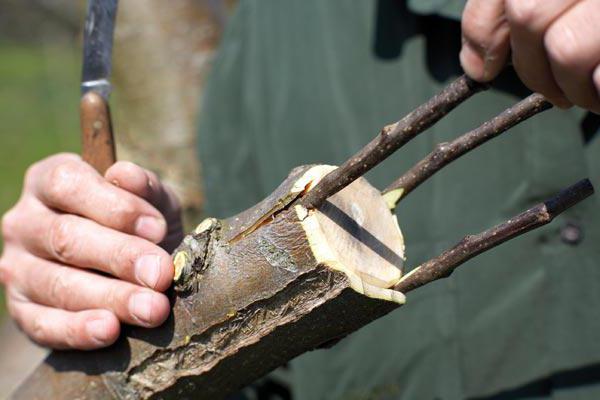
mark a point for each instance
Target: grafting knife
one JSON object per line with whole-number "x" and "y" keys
{"x": 97, "y": 142}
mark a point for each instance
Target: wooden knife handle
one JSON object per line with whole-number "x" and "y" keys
{"x": 97, "y": 142}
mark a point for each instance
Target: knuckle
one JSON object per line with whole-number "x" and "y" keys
{"x": 562, "y": 45}
{"x": 43, "y": 165}
{"x": 60, "y": 288}
{"x": 123, "y": 258}
{"x": 31, "y": 172}
{"x": 14, "y": 299}
{"x": 72, "y": 334}
{"x": 13, "y": 311}
{"x": 10, "y": 223}
{"x": 62, "y": 181}
{"x": 39, "y": 330}
{"x": 63, "y": 241}
{"x": 126, "y": 212}
{"x": 112, "y": 298}
{"x": 6, "y": 275}
{"x": 524, "y": 13}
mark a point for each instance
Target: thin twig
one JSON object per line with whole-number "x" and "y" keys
{"x": 391, "y": 138}
{"x": 443, "y": 265}
{"x": 445, "y": 153}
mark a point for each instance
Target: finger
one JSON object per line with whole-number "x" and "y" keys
{"x": 147, "y": 185}
{"x": 75, "y": 187}
{"x": 486, "y": 42}
{"x": 574, "y": 52}
{"x": 528, "y": 22}
{"x": 597, "y": 79}
{"x": 73, "y": 240}
{"x": 60, "y": 329}
{"x": 51, "y": 284}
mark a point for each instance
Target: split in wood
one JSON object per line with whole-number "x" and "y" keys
{"x": 445, "y": 153}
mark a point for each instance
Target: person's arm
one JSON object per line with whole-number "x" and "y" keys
{"x": 554, "y": 46}
{"x": 72, "y": 223}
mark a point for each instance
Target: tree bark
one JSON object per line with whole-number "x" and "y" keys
{"x": 252, "y": 292}
{"x": 394, "y": 136}
{"x": 445, "y": 153}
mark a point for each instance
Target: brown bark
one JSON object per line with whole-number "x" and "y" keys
{"x": 445, "y": 153}
{"x": 252, "y": 292}
{"x": 470, "y": 246}
{"x": 258, "y": 289}
{"x": 392, "y": 137}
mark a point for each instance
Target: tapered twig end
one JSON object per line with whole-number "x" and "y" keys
{"x": 569, "y": 197}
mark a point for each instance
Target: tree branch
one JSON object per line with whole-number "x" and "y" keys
{"x": 392, "y": 137}
{"x": 470, "y": 246}
{"x": 445, "y": 153}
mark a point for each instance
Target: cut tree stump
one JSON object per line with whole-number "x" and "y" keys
{"x": 251, "y": 293}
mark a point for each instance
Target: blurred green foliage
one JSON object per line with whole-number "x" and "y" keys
{"x": 39, "y": 98}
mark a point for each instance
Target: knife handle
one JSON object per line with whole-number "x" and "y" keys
{"x": 97, "y": 142}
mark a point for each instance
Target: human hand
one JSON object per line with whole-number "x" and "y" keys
{"x": 70, "y": 222}
{"x": 555, "y": 46}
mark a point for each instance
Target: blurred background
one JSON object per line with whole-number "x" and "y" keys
{"x": 162, "y": 53}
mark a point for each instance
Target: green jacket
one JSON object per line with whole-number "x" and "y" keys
{"x": 312, "y": 81}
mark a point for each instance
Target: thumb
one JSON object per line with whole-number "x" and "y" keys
{"x": 486, "y": 39}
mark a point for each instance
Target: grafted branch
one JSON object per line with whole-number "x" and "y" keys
{"x": 443, "y": 265}
{"x": 445, "y": 153}
{"x": 392, "y": 137}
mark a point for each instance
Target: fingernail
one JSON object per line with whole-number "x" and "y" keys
{"x": 147, "y": 269}
{"x": 151, "y": 228}
{"x": 98, "y": 329}
{"x": 140, "y": 306}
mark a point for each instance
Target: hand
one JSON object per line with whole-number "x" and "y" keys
{"x": 71, "y": 223}
{"x": 555, "y": 46}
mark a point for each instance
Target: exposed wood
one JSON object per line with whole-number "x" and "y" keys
{"x": 258, "y": 289}
{"x": 97, "y": 142}
{"x": 445, "y": 153}
{"x": 392, "y": 137}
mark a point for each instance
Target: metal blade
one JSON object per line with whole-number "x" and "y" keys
{"x": 97, "y": 46}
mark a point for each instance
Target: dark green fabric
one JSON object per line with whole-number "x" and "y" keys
{"x": 299, "y": 82}
{"x": 447, "y": 8}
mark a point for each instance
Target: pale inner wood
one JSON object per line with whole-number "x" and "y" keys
{"x": 354, "y": 231}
